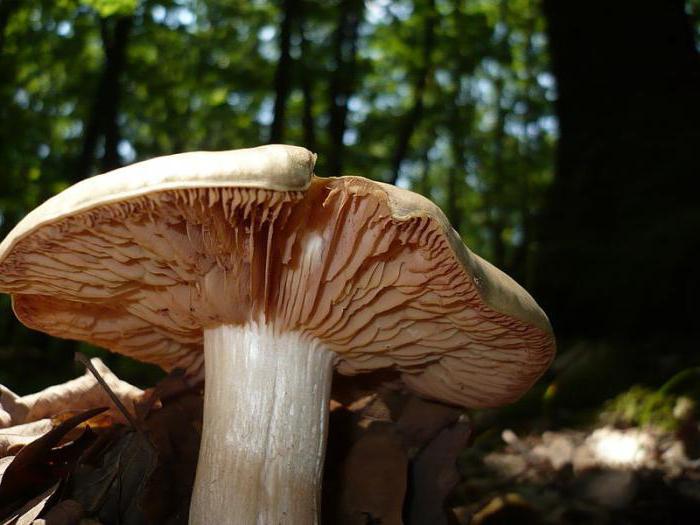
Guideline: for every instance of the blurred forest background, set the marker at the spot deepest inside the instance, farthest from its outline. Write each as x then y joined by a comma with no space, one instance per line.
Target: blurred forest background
560,138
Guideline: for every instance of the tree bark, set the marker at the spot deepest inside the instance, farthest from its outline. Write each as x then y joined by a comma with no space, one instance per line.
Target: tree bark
455,175
620,237
493,211
283,73
342,79
412,118
460,121
308,121
424,182
522,268
103,121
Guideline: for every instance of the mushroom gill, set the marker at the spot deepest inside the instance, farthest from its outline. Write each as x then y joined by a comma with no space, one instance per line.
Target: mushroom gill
144,277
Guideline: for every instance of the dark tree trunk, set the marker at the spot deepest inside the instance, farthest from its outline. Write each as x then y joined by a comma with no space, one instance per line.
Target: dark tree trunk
619,242
412,118
495,221
455,175
283,73
424,183
308,121
521,265
342,79
494,211
453,212
103,121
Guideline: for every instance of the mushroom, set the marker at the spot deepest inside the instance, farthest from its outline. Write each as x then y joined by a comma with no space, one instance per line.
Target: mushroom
272,277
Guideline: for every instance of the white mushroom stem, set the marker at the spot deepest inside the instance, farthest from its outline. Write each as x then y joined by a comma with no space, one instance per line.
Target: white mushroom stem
265,424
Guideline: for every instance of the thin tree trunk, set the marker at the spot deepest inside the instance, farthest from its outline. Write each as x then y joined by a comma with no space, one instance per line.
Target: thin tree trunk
453,213
104,115
283,73
456,173
522,267
308,121
424,187
342,80
412,118
493,211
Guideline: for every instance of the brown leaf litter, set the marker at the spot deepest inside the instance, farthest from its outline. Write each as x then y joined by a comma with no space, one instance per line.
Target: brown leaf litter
102,464
391,457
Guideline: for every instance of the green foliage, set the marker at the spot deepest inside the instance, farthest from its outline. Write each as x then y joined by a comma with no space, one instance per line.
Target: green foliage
199,74
107,8
643,407
665,408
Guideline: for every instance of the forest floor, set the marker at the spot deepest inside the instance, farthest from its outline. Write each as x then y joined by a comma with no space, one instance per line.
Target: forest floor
63,461
599,476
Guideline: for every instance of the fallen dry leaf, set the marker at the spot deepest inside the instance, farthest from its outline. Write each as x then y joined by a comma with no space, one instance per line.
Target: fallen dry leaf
434,476
422,420
410,435
145,474
110,475
82,393
113,491
7,406
66,512
171,386
39,463
175,430
4,463
13,438
511,508
31,510
374,478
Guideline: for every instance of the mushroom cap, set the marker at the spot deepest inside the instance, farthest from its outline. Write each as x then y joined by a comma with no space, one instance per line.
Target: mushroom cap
141,259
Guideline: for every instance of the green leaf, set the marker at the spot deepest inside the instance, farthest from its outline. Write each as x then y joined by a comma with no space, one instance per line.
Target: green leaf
112,7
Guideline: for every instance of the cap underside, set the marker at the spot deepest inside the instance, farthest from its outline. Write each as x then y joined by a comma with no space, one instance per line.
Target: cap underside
334,261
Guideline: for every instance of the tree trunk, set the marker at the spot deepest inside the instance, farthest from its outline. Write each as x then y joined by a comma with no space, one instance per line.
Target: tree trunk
424,187
494,213
342,80
453,212
455,184
412,118
308,121
620,239
283,72
103,120
522,268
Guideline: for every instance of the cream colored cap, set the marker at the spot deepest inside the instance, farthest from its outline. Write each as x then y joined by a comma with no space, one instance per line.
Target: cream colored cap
140,259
